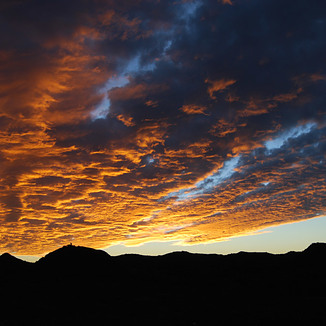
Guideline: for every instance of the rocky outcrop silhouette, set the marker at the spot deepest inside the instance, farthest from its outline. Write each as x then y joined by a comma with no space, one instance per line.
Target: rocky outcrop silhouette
83,286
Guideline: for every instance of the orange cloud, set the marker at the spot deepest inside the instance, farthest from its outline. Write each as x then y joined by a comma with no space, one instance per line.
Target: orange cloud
288,97
147,172
223,128
258,106
226,2
151,135
217,86
152,103
193,109
93,201
127,121
317,77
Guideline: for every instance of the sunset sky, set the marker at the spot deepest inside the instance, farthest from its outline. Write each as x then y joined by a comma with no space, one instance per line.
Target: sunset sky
161,124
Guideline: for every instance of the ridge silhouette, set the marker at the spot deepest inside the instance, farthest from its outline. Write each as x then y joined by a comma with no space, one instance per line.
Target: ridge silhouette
74,259
316,248
83,286
11,264
7,258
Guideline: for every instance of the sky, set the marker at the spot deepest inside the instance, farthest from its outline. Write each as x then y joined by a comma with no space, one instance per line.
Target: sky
158,125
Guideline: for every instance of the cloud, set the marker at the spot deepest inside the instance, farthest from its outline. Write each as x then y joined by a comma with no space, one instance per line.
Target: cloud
294,132
218,85
227,2
208,183
126,120
109,107
193,109
131,92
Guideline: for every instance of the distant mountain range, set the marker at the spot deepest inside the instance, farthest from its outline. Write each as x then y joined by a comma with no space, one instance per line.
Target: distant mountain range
82,286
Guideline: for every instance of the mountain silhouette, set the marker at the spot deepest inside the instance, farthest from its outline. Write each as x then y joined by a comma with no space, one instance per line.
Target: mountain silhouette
7,259
82,286
318,248
74,259
10,265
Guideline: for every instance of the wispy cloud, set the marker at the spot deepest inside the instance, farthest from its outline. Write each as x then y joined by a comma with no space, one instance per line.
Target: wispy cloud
294,132
208,183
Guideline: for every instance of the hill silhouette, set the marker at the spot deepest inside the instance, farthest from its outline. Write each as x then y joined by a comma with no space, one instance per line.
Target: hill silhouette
83,286
318,248
74,259
7,260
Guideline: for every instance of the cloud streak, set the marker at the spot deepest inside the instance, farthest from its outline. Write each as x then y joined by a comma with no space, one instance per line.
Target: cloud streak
209,183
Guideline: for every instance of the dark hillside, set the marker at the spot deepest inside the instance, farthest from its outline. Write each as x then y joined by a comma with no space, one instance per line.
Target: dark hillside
83,286
75,260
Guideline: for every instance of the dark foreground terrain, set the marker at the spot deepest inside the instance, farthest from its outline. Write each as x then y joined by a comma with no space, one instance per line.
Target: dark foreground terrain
83,286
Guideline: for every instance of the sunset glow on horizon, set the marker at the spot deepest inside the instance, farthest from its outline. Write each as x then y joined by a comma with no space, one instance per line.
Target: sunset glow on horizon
185,122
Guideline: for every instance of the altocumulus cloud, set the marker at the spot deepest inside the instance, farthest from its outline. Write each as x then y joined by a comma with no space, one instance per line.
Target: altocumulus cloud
133,121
